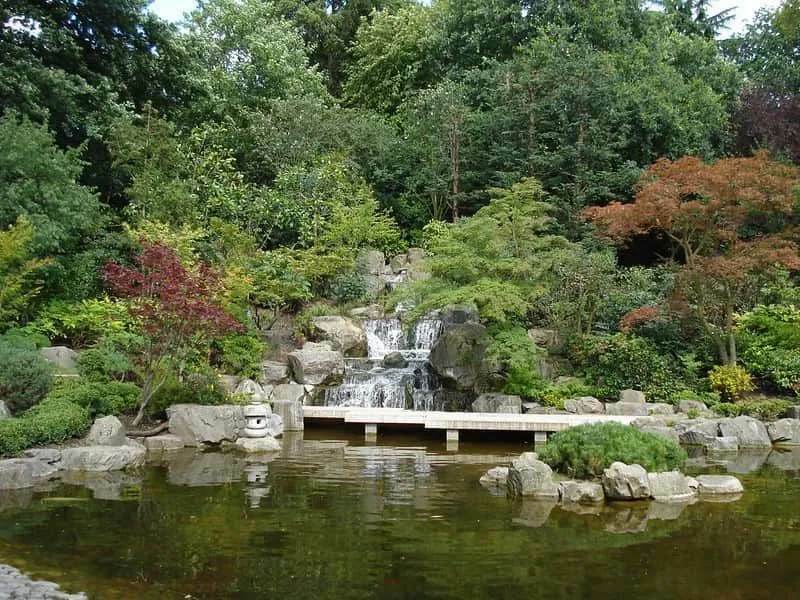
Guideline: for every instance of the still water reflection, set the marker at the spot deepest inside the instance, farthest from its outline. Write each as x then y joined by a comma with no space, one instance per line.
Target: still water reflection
334,518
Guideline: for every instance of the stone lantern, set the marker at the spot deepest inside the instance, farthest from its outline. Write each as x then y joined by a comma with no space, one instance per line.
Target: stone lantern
256,415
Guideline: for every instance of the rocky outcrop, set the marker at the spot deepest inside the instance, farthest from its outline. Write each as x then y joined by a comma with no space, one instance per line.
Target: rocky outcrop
714,485
107,431
497,403
317,364
102,458
634,396
290,392
581,492
63,358
625,482
496,477
750,432
529,476
197,425
584,405
343,333
629,409
670,486
273,373
371,265
785,431
458,354
545,338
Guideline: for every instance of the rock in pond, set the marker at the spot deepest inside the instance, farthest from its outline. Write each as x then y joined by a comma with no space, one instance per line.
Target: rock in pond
497,403
495,477
343,333
633,396
163,442
16,474
291,412
581,492
529,476
670,486
256,445
102,458
785,431
317,364
697,432
107,431
719,485
197,424
723,444
751,432
584,405
630,409
626,482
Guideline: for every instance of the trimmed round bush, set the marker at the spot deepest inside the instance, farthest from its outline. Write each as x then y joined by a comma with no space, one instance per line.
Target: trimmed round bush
49,422
25,377
110,398
586,450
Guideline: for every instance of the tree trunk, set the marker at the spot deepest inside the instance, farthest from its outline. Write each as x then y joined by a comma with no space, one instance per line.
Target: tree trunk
147,393
732,358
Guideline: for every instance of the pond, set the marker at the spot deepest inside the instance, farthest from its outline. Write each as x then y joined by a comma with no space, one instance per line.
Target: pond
333,517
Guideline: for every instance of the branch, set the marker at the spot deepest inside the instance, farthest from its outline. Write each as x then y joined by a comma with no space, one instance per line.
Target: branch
150,432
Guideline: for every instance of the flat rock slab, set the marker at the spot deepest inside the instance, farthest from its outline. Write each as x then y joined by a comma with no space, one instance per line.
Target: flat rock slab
581,492
163,442
256,445
785,431
719,485
670,486
197,425
102,458
630,409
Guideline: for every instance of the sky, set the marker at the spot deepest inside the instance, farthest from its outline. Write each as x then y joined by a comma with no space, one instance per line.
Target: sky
172,10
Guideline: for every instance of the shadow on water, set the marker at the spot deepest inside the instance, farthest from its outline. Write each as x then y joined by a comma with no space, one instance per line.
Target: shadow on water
331,516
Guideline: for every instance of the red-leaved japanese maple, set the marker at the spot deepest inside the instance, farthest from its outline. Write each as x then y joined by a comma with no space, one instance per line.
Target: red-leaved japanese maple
175,308
732,223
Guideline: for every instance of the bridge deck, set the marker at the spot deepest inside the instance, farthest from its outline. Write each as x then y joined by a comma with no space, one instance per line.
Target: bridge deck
455,421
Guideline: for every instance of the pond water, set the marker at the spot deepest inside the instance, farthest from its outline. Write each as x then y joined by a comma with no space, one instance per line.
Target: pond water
332,517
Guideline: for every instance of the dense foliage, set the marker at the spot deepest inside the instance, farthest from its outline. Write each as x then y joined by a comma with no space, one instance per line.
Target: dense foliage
586,450
610,172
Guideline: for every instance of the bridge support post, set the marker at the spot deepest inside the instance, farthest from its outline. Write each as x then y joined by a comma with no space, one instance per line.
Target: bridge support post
539,438
371,431
452,440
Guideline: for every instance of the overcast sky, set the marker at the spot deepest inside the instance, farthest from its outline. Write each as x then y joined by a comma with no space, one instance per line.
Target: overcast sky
172,10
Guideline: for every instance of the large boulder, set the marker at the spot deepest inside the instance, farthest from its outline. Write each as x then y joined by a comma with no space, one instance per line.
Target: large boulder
584,405
697,432
394,360
785,431
581,492
496,477
344,334
291,412
64,359
628,409
659,408
197,425
751,432
274,373
16,474
723,444
626,482
529,476
458,355
317,364
632,396
793,412
670,486
102,458
371,265
107,431
497,403
685,406
714,485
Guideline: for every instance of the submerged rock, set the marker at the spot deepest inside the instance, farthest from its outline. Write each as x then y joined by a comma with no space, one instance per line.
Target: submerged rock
626,482
719,484
497,403
102,458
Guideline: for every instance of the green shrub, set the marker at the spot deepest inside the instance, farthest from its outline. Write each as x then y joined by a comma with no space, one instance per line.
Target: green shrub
79,324
109,398
764,410
586,450
708,398
241,354
769,337
556,393
104,362
730,381
619,362
516,356
25,377
201,387
347,287
50,422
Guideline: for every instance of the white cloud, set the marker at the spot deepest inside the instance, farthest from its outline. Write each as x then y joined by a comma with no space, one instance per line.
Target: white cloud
744,11
172,10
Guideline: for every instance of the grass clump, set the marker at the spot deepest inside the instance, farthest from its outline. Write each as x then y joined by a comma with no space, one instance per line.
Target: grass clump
586,450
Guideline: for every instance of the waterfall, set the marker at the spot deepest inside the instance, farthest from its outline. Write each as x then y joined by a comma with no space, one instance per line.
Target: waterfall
384,336
425,333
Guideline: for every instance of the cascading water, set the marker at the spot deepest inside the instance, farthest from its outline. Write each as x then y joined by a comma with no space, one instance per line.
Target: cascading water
369,384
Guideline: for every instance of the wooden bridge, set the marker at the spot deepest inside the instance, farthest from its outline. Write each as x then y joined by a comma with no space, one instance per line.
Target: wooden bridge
453,422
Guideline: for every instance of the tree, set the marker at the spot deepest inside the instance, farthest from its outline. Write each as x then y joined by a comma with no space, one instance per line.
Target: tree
19,284
730,223
770,120
692,17
41,183
176,309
